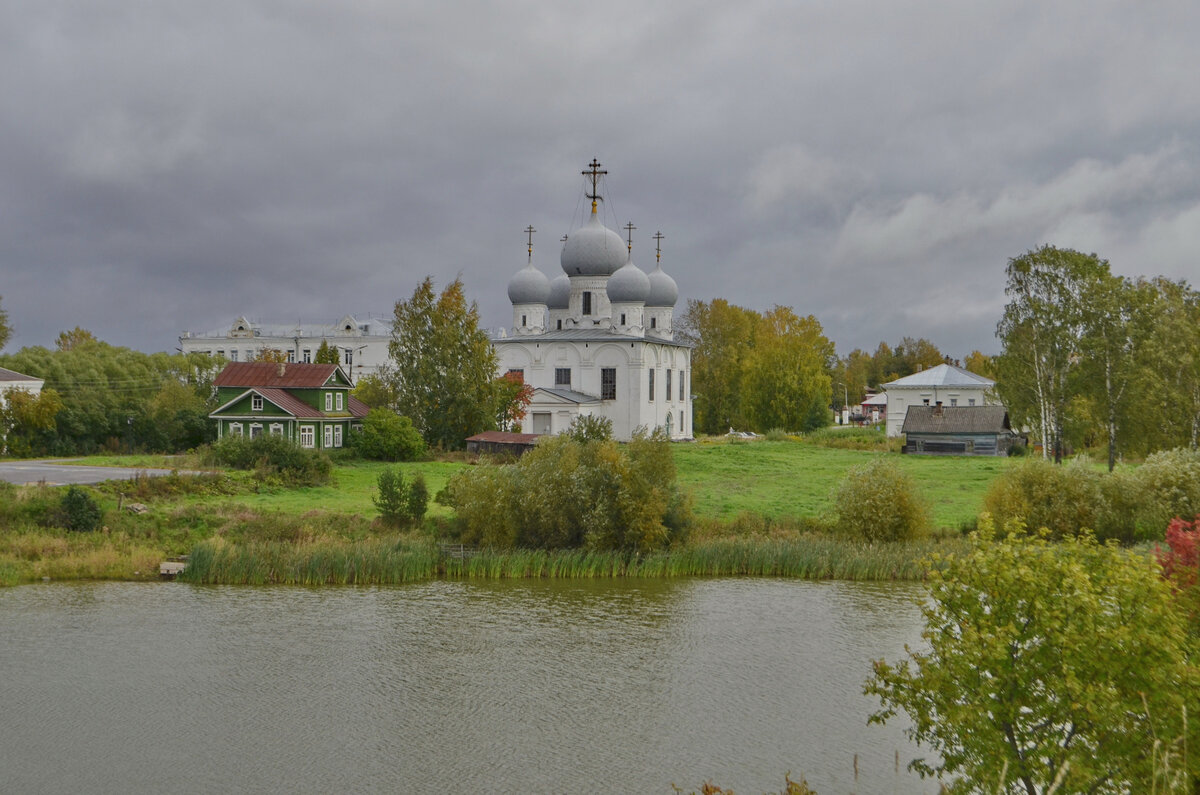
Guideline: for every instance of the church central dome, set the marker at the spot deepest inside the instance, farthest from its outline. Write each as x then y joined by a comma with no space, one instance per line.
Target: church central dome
593,250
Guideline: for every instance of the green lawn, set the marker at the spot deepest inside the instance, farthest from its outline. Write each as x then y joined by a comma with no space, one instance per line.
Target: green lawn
726,478
780,479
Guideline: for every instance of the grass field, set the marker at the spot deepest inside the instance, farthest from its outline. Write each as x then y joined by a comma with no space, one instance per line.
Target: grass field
795,479
778,485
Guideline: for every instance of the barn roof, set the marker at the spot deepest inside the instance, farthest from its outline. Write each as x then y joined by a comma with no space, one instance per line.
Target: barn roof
504,437
956,419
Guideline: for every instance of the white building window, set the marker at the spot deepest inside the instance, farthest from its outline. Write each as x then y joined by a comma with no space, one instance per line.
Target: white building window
235,429
329,436
349,357
337,436
651,385
339,402
255,430
562,377
291,357
953,401
233,354
681,395
970,401
608,383
307,356
329,401
306,436
256,403
667,384
277,429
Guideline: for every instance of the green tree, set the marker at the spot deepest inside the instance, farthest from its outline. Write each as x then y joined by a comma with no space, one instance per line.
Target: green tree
5,329
277,356
386,436
75,338
786,382
326,353
443,365
24,417
378,390
1049,666
980,364
78,511
722,335
1042,335
401,504
1173,367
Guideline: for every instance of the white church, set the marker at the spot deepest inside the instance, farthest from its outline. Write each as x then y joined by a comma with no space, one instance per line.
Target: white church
598,339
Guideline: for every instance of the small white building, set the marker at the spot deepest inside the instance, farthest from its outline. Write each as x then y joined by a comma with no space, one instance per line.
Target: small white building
362,345
943,385
11,381
598,339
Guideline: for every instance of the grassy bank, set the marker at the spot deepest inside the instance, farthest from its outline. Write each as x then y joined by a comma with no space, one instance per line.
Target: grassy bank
757,506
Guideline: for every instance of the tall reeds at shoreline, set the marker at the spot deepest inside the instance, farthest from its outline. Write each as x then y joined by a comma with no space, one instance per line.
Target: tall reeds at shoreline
395,561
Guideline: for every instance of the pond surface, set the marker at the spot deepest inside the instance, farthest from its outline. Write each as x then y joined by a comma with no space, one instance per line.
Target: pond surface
528,686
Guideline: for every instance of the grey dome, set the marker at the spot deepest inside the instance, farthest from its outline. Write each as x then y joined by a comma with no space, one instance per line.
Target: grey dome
593,250
663,290
629,284
560,293
528,286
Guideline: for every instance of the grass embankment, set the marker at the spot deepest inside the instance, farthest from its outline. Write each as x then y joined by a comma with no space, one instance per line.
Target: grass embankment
757,504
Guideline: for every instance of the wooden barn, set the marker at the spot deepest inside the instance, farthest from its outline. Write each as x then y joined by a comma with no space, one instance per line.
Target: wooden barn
501,442
958,430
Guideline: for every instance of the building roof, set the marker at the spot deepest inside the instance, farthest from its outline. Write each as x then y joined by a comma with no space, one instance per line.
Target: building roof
568,394
956,419
289,403
587,335
12,375
356,406
879,399
291,375
504,437
942,375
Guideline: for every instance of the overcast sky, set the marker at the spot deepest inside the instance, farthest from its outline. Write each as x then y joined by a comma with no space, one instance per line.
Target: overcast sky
167,166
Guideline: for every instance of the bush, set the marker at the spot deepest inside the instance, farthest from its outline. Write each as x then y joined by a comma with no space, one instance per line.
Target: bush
401,504
1040,494
1170,483
587,428
777,435
567,493
78,512
273,457
387,436
878,502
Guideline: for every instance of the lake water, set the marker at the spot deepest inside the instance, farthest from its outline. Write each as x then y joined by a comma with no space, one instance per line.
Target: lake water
528,686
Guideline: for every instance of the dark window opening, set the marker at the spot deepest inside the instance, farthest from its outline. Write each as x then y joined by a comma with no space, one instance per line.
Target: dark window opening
562,376
608,383
651,386
653,322
587,303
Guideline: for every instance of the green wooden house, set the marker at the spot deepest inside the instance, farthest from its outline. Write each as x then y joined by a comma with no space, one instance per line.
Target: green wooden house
307,403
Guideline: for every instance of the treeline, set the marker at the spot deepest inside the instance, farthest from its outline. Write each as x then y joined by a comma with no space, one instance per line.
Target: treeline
759,371
100,397
1092,359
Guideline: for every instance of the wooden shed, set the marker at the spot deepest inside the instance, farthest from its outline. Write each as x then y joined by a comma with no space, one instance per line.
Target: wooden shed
501,442
957,430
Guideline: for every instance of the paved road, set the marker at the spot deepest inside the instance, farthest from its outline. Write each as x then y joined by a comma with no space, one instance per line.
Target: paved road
55,473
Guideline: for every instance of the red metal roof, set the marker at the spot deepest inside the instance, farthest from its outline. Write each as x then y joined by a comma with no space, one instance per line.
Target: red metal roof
356,406
272,374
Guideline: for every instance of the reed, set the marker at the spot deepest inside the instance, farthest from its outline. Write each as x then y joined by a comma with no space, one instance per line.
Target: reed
390,561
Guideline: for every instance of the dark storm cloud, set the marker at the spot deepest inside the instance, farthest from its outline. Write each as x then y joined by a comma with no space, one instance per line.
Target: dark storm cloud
169,166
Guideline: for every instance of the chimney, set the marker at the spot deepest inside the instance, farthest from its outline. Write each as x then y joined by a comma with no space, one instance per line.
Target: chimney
283,368
937,409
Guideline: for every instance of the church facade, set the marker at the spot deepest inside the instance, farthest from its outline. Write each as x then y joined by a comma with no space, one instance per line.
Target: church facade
598,339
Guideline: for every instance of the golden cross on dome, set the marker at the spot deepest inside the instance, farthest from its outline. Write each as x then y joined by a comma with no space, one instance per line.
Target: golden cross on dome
629,227
658,239
529,230
594,172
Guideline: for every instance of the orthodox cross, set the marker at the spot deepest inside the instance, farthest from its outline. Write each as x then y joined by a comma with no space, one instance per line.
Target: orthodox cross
629,227
658,238
529,230
595,172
